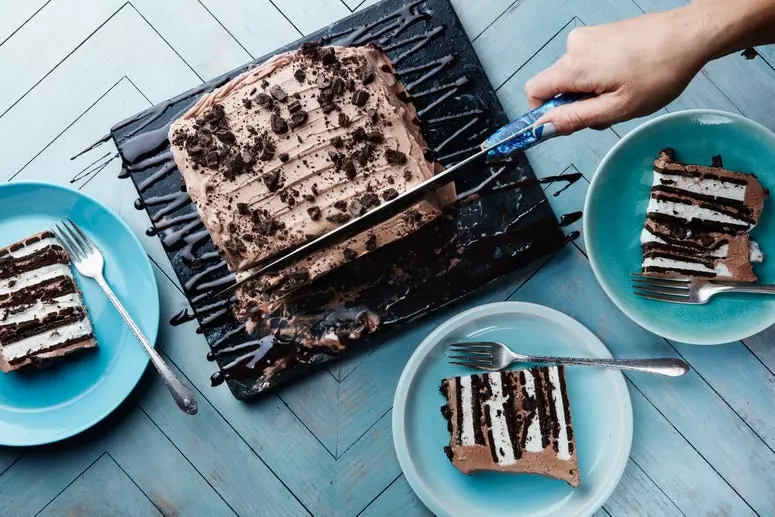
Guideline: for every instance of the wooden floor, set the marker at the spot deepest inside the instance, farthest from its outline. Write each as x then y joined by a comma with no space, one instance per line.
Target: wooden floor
69,69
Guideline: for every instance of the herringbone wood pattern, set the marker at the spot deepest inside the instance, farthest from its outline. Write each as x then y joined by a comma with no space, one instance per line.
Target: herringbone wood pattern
71,68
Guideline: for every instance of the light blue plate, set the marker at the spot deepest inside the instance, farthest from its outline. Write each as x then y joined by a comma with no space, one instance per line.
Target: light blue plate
47,405
600,409
615,211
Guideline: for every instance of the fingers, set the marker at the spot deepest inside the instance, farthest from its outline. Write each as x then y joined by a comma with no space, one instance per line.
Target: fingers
556,79
596,112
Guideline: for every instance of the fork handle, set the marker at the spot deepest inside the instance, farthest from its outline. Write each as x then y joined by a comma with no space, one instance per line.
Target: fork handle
666,366
184,397
742,288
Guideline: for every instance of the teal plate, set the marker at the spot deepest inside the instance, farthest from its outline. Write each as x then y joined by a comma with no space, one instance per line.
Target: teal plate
615,212
600,410
51,404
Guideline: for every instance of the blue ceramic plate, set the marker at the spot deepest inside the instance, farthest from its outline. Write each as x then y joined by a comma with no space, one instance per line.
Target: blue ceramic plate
44,406
600,409
615,211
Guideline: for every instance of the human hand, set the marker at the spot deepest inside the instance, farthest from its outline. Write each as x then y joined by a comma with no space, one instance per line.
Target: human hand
633,67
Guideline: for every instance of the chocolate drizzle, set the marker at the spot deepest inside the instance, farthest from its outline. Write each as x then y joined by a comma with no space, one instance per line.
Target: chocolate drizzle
501,223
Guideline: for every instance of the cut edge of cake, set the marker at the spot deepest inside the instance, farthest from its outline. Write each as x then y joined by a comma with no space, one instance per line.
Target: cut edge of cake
513,421
42,313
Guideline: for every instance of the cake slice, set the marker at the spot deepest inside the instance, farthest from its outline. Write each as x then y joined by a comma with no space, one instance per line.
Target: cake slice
42,314
514,421
295,147
698,221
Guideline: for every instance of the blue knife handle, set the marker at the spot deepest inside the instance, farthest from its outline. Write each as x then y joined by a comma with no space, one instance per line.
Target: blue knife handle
530,138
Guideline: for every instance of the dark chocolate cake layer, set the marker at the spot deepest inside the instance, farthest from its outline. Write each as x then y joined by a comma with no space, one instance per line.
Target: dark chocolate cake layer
502,222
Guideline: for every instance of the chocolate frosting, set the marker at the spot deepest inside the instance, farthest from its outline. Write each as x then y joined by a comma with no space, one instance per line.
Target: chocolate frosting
298,145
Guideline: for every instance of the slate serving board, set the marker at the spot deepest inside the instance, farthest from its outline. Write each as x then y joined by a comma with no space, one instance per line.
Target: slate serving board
502,222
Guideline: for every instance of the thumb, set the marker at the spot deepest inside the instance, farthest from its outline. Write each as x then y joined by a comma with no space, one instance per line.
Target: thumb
596,112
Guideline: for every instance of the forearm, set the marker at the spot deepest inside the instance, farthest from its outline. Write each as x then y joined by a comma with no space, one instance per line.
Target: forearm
726,26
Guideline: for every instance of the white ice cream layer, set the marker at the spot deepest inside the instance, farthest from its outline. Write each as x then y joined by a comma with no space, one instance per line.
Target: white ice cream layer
720,270
689,212
707,187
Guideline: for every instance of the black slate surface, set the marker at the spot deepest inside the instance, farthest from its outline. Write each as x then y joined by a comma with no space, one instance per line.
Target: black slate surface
486,235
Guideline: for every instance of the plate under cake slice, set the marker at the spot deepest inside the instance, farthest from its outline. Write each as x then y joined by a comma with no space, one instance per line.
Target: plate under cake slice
514,421
698,221
42,314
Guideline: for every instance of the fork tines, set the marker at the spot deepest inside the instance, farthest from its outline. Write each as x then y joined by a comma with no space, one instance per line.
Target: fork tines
674,289
77,244
471,355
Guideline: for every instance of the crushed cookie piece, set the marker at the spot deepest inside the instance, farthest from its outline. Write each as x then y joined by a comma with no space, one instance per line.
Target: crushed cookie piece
349,169
278,93
338,218
389,194
350,254
360,98
278,123
298,119
395,157
371,243
314,212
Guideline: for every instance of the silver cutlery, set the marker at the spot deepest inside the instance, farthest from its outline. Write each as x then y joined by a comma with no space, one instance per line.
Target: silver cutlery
494,356
676,289
88,260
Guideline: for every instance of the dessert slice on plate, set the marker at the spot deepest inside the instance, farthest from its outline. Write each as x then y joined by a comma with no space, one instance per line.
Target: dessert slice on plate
514,421
42,314
698,221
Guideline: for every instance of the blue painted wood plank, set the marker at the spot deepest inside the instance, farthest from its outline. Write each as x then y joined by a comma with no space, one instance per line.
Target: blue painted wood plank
160,470
210,50
269,427
15,14
310,16
744,382
104,489
398,500
259,26
366,469
315,400
33,481
761,346
568,284
219,454
637,494
477,15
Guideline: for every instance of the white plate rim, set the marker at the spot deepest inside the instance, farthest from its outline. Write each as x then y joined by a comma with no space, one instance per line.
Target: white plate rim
509,307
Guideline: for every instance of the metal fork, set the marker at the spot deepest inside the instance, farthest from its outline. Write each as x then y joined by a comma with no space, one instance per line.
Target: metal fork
494,356
676,289
89,262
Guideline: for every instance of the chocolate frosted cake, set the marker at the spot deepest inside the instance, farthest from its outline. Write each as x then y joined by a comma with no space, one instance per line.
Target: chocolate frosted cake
514,421
294,147
42,315
698,221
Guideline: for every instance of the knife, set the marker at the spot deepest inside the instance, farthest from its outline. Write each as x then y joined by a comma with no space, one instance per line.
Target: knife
518,135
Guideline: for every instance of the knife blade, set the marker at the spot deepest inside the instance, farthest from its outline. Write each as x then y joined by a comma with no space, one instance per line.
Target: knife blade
515,136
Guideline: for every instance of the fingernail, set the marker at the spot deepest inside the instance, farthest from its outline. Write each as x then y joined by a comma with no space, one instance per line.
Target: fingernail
544,131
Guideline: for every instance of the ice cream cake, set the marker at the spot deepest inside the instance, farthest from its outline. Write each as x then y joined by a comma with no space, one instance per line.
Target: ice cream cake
296,146
698,221
42,314
514,421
